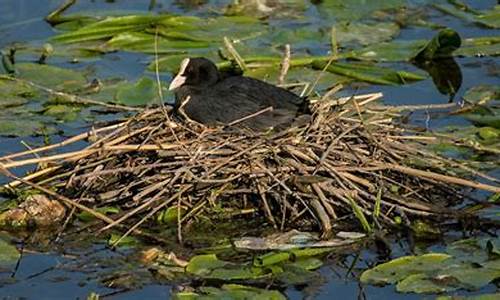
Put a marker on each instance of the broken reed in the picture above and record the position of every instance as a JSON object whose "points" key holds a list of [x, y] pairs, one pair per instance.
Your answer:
{"points": [[347, 161]]}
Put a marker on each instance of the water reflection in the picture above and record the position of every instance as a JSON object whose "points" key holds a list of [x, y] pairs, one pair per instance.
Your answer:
{"points": [[446, 75]]}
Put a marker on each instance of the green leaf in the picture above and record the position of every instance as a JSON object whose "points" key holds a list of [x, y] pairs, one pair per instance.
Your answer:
{"points": [[271, 258], [473, 297], [143, 42], [365, 34], [308, 252], [209, 266], [106, 210], [143, 92], [490, 18], [421, 283], [388, 52], [489, 134], [128, 241], [370, 73], [169, 215], [484, 117], [424, 230], [492, 264], [468, 250], [400, 268], [109, 27], [22, 123], [294, 275], [204, 264], [8, 253], [482, 94], [62, 112], [480, 46], [309, 263], [471, 277], [236, 273], [14, 93], [352, 10], [230, 291], [408, 50], [52, 77], [493, 246], [168, 63]]}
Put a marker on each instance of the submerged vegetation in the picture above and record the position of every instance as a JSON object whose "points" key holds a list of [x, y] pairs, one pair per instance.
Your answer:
{"points": [[357, 173]]}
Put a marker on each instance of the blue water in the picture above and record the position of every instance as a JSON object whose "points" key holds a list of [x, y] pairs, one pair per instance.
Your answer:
{"points": [[50, 276]]}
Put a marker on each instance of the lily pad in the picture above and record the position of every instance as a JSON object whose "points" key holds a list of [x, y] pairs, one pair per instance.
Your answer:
{"points": [[406, 50], [168, 63], [237, 273], [143, 42], [62, 112], [490, 18], [230, 291], [15, 123], [400, 268], [370, 73], [484, 117], [14, 93], [143, 92], [473, 263], [276, 8], [8, 253], [474, 297], [468, 250], [128, 241], [480, 46], [482, 94], [355, 9], [209, 266], [421, 283], [52, 77], [109, 27], [469, 276], [309, 263], [204, 264], [365, 34], [295, 275], [271, 258]]}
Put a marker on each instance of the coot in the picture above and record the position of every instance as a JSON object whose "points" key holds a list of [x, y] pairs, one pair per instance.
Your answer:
{"points": [[213, 98]]}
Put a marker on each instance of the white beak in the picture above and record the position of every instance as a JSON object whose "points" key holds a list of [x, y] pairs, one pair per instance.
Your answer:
{"points": [[178, 81]]}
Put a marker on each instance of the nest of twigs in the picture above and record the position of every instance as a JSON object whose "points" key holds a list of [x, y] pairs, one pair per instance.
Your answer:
{"points": [[347, 163]]}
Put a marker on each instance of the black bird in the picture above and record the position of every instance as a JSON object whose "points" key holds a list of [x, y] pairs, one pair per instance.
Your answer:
{"points": [[211, 97]]}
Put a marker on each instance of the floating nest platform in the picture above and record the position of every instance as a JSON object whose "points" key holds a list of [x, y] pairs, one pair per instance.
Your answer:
{"points": [[349, 165]]}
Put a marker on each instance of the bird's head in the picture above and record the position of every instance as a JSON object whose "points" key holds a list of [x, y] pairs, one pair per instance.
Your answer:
{"points": [[196, 72]]}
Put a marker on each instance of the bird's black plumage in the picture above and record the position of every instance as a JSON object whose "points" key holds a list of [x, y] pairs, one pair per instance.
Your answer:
{"points": [[212, 98]]}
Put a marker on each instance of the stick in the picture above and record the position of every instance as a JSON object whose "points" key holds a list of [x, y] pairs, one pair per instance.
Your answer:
{"points": [[66, 142], [285, 65], [443, 178]]}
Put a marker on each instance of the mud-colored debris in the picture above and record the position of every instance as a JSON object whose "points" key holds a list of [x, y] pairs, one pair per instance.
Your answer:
{"points": [[36, 210]]}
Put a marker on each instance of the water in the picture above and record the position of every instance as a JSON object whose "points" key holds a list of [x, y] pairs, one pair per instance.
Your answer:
{"points": [[58, 276]]}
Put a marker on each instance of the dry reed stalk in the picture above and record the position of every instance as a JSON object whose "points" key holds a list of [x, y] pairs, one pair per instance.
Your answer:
{"points": [[319, 172]]}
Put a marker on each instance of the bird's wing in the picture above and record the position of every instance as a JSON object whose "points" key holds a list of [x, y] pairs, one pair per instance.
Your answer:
{"points": [[214, 106], [223, 106], [263, 93]]}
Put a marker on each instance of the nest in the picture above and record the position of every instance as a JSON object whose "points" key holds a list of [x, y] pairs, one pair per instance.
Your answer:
{"points": [[348, 163]]}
